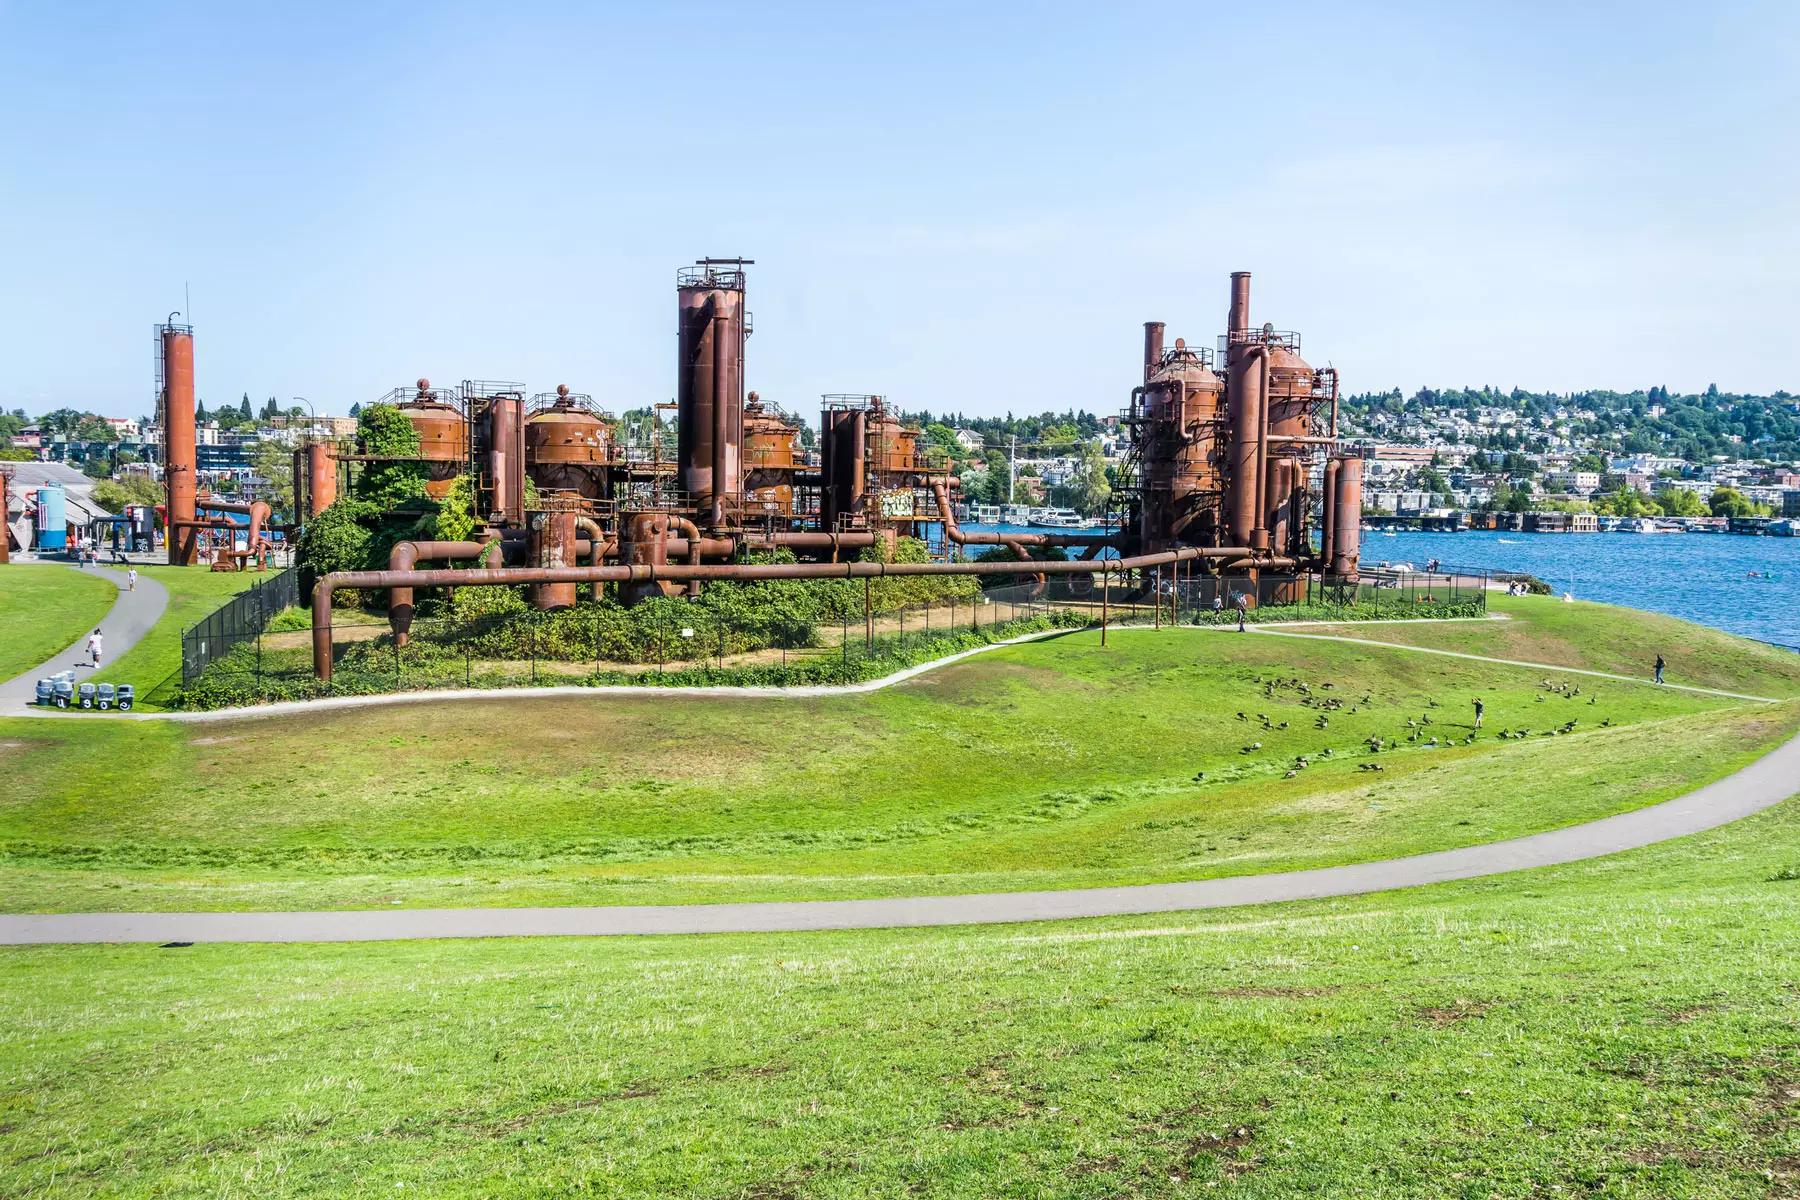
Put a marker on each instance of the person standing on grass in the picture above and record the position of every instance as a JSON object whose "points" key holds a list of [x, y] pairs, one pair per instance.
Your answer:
{"points": [[131, 580], [1243, 606], [1478, 712], [1659, 668], [93, 645]]}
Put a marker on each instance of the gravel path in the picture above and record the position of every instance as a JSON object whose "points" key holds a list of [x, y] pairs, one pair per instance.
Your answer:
{"points": [[132, 615], [1762, 784]]}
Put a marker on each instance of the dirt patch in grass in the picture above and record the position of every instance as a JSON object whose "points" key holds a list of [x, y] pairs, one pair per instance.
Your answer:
{"points": [[1277, 993], [1447, 1015]]}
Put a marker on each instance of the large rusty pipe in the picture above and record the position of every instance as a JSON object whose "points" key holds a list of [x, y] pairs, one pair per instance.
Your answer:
{"points": [[1328, 511], [1246, 441], [1153, 347], [321, 478], [1038, 581], [596, 539], [721, 414], [179, 462], [648, 573], [1347, 535], [1239, 318], [405, 556], [958, 537]]}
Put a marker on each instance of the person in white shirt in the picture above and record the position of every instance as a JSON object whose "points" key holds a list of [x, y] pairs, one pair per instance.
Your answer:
{"points": [[93, 646], [131, 580]]}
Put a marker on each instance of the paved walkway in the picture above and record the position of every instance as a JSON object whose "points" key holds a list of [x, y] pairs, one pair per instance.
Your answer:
{"points": [[1762, 784], [132, 615]]}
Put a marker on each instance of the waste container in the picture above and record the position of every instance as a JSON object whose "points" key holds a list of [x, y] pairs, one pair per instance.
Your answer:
{"points": [[107, 697], [64, 692], [125, 697], [89, 695]]}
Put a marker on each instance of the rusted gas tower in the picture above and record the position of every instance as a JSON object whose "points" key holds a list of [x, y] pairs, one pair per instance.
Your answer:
{"points": [[175, 409], [1224, 454], [712, 326]]}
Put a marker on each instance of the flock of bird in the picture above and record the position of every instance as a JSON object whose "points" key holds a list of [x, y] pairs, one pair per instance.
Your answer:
{"points": [[1418, 729]]}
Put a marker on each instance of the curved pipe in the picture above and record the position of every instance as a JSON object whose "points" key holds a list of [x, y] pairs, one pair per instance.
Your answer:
{"points": [[646, 573], [596, 539], [960, 538], [1038, 582], [682, 524], [405, 556], [256, 510]]}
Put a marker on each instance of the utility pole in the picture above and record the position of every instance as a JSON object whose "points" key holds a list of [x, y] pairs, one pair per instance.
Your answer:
{"points": [[1012, 472]]}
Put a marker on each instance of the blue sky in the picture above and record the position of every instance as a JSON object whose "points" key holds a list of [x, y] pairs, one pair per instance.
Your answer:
{"points": [[961, 206]]}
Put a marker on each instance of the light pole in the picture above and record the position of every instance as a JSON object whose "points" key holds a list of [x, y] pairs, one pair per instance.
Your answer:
{"points": [[312, 417]]}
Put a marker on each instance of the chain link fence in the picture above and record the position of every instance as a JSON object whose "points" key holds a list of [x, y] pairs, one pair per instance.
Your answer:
{"points": [[674, 641], [242, 620]]}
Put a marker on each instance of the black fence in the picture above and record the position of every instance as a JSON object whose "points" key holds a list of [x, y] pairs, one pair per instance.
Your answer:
{"points": [[700, 643], [243, 619]]}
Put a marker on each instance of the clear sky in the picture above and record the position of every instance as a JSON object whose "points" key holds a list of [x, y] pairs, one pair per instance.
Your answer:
{"points": [[961, 206]]}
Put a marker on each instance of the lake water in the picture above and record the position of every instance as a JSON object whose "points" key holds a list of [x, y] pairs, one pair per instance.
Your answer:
{"points": [[1704, 578]]}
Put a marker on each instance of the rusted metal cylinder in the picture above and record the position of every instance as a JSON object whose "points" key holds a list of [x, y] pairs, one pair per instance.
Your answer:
{"points": [[1153, 347], [179, 464], [1347, 522], [321, 478], [1245, 389], [405, 556], [644, 542], [1328, 511], [1238, 320], [550, 545], [843, 464], [506, 457], [709, 393]]}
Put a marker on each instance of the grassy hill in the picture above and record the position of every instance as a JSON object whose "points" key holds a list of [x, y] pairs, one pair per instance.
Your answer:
{"points": [[1052, 764]]}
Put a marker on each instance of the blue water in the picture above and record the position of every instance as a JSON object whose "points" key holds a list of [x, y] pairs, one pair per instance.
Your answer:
{"points": [[1704, 578]]}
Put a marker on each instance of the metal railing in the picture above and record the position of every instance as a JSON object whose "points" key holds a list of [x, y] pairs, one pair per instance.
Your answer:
{"points": [[241, 619]]}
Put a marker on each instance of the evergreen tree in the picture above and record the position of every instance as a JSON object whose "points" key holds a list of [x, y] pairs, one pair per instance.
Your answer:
{"points": [[200, 417]]}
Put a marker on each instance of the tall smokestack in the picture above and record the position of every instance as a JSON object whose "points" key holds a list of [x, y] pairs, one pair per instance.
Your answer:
{"points": [[1240, 302], [178, 443], [1153, 343]]}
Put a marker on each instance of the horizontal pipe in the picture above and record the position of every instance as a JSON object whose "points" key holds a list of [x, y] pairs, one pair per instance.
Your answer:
{"points": [[682, 573], [957, 536]]}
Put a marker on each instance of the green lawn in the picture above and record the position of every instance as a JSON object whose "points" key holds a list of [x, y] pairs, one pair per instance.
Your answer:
{"points": [[1048, 765], [1620, 1028], [45, 609], [1602, 637], [154, 665]]}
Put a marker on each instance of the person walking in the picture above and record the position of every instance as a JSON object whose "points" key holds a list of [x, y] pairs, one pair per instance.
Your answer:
{"points": [[93, 646], [1243, 606], [1659, 668], [1478, 711], [131, 580]]}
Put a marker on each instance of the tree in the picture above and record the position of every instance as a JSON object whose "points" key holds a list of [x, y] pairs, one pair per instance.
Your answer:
{"points": [[274, 463], [114, 494], [384, 431], [244, 408], [356, 410], [1729, 502], [1520, 499], [1679, 502], [63, 421], [95, 429], [1089, 489], [200, 417]]}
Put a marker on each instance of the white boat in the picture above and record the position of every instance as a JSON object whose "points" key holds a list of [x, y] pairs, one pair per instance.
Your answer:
{"points": [[1062, 518], [1641, 525]]}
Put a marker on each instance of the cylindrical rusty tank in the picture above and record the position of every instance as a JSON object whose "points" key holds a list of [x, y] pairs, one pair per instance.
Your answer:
{"points": [[1328, 511], [443, 436], [1347, 520], [770, 460], [568, 445], [892, 447], [321, 478], [550, 542], [843, 464], [709, 394], [179, 463], [1181, 451], [643, 541]]}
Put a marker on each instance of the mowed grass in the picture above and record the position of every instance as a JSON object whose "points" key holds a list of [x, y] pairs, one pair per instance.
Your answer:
{"points": [[1053, 764], [1619, 1028], [1602, 637], [153, 666], [45, 609]]}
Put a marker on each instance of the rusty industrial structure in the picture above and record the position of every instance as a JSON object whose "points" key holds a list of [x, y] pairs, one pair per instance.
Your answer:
{"points": [[1232, 468]]}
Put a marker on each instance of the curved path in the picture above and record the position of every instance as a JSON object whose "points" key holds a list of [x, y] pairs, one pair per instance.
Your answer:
{"points": [[132, 615], [1762, 784]]}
